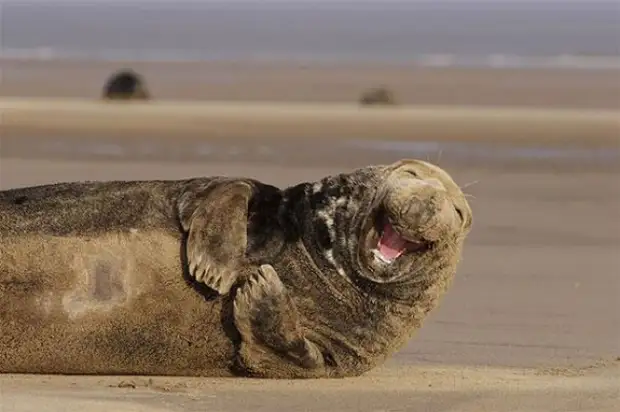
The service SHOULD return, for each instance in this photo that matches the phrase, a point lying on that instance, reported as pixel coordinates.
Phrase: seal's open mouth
(391, 245)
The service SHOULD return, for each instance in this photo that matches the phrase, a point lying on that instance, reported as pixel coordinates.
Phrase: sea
(469, 33)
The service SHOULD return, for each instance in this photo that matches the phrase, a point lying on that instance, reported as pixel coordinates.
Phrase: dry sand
(531, 324)
(304, 121)
(389, 389)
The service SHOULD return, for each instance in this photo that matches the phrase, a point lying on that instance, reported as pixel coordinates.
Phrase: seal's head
(418, 213)
(385, 226)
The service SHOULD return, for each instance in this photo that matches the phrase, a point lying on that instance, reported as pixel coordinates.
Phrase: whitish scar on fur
(103, 273)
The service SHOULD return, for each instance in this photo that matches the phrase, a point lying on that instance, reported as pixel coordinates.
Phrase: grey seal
(223, 276)
(125, 84)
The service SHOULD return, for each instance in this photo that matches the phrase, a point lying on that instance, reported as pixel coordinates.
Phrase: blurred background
(539, 283)
(475, 52)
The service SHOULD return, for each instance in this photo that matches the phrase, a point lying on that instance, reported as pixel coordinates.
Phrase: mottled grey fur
(221, 276)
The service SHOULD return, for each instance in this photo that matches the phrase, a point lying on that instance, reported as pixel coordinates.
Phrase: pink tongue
(391, 245)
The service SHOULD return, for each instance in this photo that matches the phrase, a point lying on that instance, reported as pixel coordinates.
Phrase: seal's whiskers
(466, 185)
(439, 156)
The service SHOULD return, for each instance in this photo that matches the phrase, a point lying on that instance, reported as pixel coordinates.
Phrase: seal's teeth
(378, 255)
(192, 269)
(200, 274)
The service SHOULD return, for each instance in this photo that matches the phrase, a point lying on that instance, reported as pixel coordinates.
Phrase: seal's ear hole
(20, 200)
(329, 360)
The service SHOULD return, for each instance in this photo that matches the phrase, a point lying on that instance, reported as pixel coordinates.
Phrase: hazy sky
(283, 2)
(360, 29)
(337, 3)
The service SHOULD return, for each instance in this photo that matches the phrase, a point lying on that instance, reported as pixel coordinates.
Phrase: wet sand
(321, 82)
(531, 323)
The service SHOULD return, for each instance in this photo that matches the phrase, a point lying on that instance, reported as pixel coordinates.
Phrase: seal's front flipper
(217, 237)
(273, 342)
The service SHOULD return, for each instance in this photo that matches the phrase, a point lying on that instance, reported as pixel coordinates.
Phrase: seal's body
(221, 276)
(125, 85)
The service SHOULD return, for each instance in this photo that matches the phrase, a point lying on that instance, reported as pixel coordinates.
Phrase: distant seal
(378, 96)
(125, 84)
(225, 276)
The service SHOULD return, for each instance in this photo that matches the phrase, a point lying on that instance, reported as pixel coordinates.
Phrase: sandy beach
(531, 323)
(395, 389)
(298, 122)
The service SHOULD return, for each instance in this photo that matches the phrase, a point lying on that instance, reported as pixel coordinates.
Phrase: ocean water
(500, 33)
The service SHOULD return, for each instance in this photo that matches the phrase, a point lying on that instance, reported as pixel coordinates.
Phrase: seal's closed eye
(460, 213)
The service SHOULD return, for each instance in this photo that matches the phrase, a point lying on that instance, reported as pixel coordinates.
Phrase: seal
(125, 84)
(378, 96)
(222, 276)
